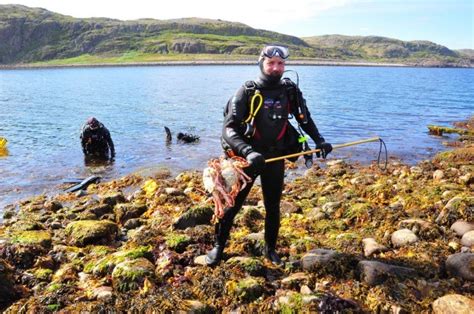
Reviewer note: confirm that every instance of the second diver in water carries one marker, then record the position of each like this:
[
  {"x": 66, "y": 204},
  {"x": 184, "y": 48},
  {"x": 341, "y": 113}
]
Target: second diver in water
[{"x": 182, "y": 137}]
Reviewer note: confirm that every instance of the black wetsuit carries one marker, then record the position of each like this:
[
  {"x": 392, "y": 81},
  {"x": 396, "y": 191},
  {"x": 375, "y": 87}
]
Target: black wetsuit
[
  {"x": 97, "y": 143},
  {"x": 270, "y": 139}
]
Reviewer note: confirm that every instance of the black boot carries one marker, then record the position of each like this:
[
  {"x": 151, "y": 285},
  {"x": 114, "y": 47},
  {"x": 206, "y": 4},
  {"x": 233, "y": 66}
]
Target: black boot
[
  {"x": 222, "y": 230},
  {"x": 272, "y": 255},
  {"x": 214, "y": 256}
]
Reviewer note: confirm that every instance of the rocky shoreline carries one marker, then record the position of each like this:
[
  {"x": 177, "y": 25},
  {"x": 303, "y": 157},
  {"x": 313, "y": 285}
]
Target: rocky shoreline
[
  {"x": 353, "y": 238},
  {"x": 427, "y": 64}
]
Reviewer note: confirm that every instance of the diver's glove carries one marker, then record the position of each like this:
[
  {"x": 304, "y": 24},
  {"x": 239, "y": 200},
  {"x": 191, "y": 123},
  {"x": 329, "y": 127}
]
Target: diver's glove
[
  {"x": 325, "y": 148},
  {"x": 256, "y": 162}
]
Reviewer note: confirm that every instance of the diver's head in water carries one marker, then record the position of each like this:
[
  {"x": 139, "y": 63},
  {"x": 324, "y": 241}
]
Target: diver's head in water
[
  {"x": 272, "y": 64},
  {"x": 93, "y": 123}
]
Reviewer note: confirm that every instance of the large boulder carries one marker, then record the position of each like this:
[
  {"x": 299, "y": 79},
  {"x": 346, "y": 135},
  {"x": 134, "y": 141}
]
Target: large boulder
[
  {"x": 84, "y": 232},
  {"x": 33, "y": 237},
  {"x": 374, "y": 273}
]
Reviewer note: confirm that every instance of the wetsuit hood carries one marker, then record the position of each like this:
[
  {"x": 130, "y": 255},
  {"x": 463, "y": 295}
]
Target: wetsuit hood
[{"x": 265, "y": 80}]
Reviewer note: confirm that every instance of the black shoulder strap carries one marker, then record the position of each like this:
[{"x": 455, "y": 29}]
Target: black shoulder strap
[{"x": 250, "y": 88}]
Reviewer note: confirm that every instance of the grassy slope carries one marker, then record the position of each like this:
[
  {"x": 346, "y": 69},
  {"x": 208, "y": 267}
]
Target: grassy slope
[{"x": 49, "y": 38}]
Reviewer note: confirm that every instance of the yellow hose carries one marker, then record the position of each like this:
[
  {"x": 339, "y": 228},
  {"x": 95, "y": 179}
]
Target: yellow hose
[{"x": 252, "y": 103}]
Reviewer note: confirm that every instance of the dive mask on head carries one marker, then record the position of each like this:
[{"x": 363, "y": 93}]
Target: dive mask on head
[{"x": 275, "y": 51}]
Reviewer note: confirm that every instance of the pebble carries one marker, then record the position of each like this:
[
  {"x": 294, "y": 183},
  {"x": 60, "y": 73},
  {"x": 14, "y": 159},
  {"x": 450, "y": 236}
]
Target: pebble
[
  {"x": 200, "y": 260},
  {"x": 461, "y": 227},
  {"x": 468, "y": 239},
  {"x": 372, "y": 247},
  {"x": 438, "y": 175},
  {"x": 403, "y": 237},
  {"x": 103, "y": 293}
]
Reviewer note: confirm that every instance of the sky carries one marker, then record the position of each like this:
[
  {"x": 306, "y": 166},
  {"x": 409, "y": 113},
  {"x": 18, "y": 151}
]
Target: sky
[{"x": 445, "y": 22}]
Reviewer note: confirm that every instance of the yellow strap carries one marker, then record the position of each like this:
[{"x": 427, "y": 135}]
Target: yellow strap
[{"x": 252, "y": 113}]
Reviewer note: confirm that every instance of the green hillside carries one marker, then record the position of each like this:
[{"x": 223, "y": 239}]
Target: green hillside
[{"x": 32, "y": 35}]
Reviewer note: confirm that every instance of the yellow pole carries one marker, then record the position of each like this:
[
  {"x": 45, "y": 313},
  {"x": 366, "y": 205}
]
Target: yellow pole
[{"x": 373, "y": 139}]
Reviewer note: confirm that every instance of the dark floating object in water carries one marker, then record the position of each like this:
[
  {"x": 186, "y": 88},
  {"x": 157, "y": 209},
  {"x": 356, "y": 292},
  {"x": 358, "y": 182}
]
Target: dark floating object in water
[
  {"x": 182, "y": 137},
  {"x": 187, "y": 138},
  {"x": 83, "y": 184},
  {"x": 168, "y": 135}
]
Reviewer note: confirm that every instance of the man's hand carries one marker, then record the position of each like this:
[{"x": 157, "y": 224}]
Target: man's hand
[
  {"x": 256, "y": 162},
  {"x": 325, "y": 148}
]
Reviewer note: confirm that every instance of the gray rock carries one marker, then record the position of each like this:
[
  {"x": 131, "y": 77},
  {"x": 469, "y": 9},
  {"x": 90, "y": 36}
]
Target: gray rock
[
  {"x": 133, "y": 223},
  {"x": 316, "y": 214},
  {"x": 289, "y": 208},
  {"x": 101, "y": 209},
  {"x": 126, "y": 211},
  {"x": 461, "y": 265},
  {"x": 295, "y": 280},
  {"x": 193, "y": 217},
  {"x": 318, "y": 258},
  {"x": 103, "y": 293},
  {"x": 375, "y": 273},
  {"x": 453, "y": 304},
  {"x": 53, "y": 206},
  {"x": 330, "y": 207},
  {"x": 372, "y": 247},
  {"x": 173, "y": 191},
  {"x": 468, "y": 239},
  {"x": 403, "y": 237},
  {"x": 461, "y": 227},
  {"x": 113, "y": 198}
]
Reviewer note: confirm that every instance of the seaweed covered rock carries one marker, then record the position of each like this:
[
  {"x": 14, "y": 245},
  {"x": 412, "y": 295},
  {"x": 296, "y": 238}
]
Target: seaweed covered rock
[
  {"x": 247, "y": 289},
  {"x": 83, "y": 232},
  {"x": 33, "y": 237},
  {"x": 126, "y": 211},
  {"x": 193, "y": 217},
  {"x": 131, "y": 274}
]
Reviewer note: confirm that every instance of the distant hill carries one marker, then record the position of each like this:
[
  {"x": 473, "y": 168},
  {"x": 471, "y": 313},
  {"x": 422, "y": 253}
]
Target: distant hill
[{"x": 33, "y": 35}]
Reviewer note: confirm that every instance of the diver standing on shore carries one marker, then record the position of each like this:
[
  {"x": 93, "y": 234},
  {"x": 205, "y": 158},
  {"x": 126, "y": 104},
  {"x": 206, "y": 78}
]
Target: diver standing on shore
[{"x": 260, "y": 131}]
